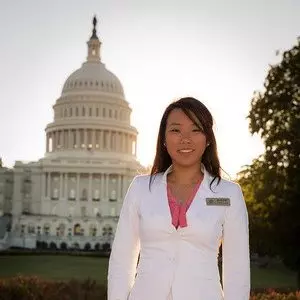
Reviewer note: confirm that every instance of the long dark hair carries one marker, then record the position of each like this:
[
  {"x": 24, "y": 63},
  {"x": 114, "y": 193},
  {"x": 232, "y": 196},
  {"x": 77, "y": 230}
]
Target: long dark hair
[{"x": 198, "y": 113}]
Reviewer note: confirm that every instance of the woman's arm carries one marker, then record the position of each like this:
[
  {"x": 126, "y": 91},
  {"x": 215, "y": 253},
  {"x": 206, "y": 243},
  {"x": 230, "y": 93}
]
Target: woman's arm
[
  {"x": 235, "y": 247},
  {"x": 125, "y": 248}
]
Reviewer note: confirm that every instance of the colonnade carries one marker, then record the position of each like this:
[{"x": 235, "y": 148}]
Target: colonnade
[
  {"x": 100, "y": 182},
  {"x": 91, "y": 139}
]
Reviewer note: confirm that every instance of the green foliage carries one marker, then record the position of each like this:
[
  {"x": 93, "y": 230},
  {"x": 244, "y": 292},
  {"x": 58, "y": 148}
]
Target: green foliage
[
  {"x": 34, "y": 288},
  {"x": 271, "y": 183}
]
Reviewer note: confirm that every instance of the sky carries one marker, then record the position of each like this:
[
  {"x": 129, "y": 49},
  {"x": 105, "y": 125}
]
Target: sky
[{"x": 217, "y": 51}]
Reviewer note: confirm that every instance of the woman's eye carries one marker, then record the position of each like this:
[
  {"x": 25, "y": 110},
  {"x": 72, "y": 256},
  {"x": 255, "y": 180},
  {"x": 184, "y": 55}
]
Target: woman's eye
[
  {"x": 197, "y": 130},
  {"x": 174, "y": 130}
]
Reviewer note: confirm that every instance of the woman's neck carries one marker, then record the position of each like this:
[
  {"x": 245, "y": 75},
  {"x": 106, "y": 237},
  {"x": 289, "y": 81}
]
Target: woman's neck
[{"x": 185, "y": 176}]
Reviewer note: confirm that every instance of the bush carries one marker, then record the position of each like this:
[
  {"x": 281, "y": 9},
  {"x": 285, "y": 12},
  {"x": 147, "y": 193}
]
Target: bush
[
  {"x": 52, "y": 246},
  {"x": 106, "y": 247},
  {"x": 63, "y": 246},
  {"x": 87, "y": 247},
  {"x": 34, "y": 288},
  {"x": 97, "y": 247},
  {"x": 61, "y": 252}
]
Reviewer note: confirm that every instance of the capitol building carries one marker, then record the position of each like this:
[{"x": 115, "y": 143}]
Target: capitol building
[{"x": 71, "y": 198}]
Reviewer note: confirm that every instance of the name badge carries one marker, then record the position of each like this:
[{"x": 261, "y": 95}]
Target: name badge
[{"x": 218, "y": 201}]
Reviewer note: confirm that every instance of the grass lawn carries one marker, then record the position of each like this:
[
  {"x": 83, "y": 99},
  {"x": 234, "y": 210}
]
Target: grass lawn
[{"x": 67, "y": 267}]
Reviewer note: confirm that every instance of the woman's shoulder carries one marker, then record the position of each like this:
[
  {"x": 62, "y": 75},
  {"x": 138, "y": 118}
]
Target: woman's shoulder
[
  {"x": 227, "y": 184},
  {"x": 144, "y": 179}
]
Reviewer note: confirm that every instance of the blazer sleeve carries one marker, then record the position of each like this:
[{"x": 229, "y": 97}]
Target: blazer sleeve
[
  {"x": 125, "y": 248},
  {"x": 235, "y": 249}
]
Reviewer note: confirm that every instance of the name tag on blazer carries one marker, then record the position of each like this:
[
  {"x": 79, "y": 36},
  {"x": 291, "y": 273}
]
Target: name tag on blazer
[{"x": 218, "y": 201}]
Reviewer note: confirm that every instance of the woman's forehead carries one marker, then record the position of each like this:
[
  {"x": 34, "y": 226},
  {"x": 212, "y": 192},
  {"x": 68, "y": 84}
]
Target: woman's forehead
[{"x": 178, "y": 116}]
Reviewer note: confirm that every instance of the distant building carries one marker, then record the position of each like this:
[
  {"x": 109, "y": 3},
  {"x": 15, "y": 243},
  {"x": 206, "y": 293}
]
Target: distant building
[{"x": 72, "y": 196}]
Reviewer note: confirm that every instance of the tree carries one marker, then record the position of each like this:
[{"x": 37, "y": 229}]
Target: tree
[{"x": 273, "y": 180}]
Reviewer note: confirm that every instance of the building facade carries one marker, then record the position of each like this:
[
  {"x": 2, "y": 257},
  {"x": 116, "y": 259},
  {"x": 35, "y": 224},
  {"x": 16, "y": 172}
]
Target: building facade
[{"x": 73, "y": 195}]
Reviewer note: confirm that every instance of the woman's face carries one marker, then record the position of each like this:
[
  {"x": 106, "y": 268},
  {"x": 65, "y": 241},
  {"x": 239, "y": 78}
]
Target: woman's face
[{"x": 185, "y": 142}]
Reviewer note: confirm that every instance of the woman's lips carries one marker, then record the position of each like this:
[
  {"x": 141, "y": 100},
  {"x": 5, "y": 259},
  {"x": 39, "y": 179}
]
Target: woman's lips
[{"x": 185, "y": 150}]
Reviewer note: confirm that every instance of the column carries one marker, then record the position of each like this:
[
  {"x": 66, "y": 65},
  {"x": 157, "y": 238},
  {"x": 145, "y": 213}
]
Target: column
[
  {"x": 102, "y": 178},
  {"x": 117, "y": 141},
  {"x": 77, "y": 187},
  {"x": 66, "y": 193},
  {"x": 123, "y": 186},
  {"x": 90, "y": 196},
  {"x": 43, "y": 185},
  {"x": 126, "y": 143},
  {"x": 108, "y": 141},
  {"x": 50, "y": 137},
  {"x": 47, "y": 142},
  {"x": 85, "y": 138},
  {"x": 101, "y": 141},
  {"x": 123, "y": 141},
  {"x": 129, "y": 144},
  {"x": 77, "y": 138},
  {"x": 93, "y": 139},
  {"x": 107, "y": 186},
  {"x": 60, "y": 186},
  {"x": 135, "y": 147},
  {"x": 119, "y": 194},
  {"x": 62, "y": 139},
  {"x": 57, "y": 139},
  {"x": 53, "y": 134},
  {"x": 49, "y": 185},
  {"x": 70, "y": 141}
]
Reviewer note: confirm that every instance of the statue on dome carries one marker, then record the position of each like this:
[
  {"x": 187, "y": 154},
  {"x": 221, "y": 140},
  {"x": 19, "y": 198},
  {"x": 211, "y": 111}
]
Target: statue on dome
[{"x": 95, "y": 22}]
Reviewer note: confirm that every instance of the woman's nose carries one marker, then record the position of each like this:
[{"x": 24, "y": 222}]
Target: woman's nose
[{"x": 185, "y": 137}]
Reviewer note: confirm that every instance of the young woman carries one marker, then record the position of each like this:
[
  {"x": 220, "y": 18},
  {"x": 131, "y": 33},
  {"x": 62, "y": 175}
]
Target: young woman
[{"x": 174, "y": 220}]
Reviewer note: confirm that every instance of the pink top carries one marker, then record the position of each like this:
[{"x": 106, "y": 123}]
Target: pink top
[{"x": 178, "y": 211}]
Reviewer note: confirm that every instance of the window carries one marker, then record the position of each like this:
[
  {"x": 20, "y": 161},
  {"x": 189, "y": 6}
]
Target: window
[
  {"x": 83, "y": 211},
  {"x": 70, "y": 112},
  {"x": 83, "y": 111},
  {"x": 54, "y": 194},
  {"x": 96, "y": 195},
  {"x": 93, "y": 230},
  {"x": 113, "y": 195},
  {"x": 47, "y": 229},
  {"x": 97, "y": 112},
  {"x": 61, "y": 229},
  {"x": 77, "y": 229},
  {"x": 72, "y": 196},
  {"x": 31, "y": 229},
  {"x": 90, "y": 111},
  {"x": 107, "y": 230},
  {"x": 84, "y": 195}
]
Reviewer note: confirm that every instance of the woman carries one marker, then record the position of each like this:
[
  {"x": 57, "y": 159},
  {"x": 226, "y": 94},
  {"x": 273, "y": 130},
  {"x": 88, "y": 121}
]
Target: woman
[{"x": 175, "y": 219}]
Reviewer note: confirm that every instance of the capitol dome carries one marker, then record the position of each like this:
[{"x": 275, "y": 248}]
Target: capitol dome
[
  {"x": 93, "y": 75},
  {"x": 92, "y": 116}
]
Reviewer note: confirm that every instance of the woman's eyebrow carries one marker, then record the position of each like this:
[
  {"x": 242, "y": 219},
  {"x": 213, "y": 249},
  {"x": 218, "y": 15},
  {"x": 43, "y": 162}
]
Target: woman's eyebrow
[{"x": 174, "y": 123}]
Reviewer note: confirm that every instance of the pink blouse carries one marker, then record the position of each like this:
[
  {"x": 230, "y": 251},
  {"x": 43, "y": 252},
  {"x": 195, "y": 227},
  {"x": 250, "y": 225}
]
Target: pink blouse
[{"x": 178, "y": 211}]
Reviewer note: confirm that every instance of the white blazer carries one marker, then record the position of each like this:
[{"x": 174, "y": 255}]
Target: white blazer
[{"x": 180, "y": 264}]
